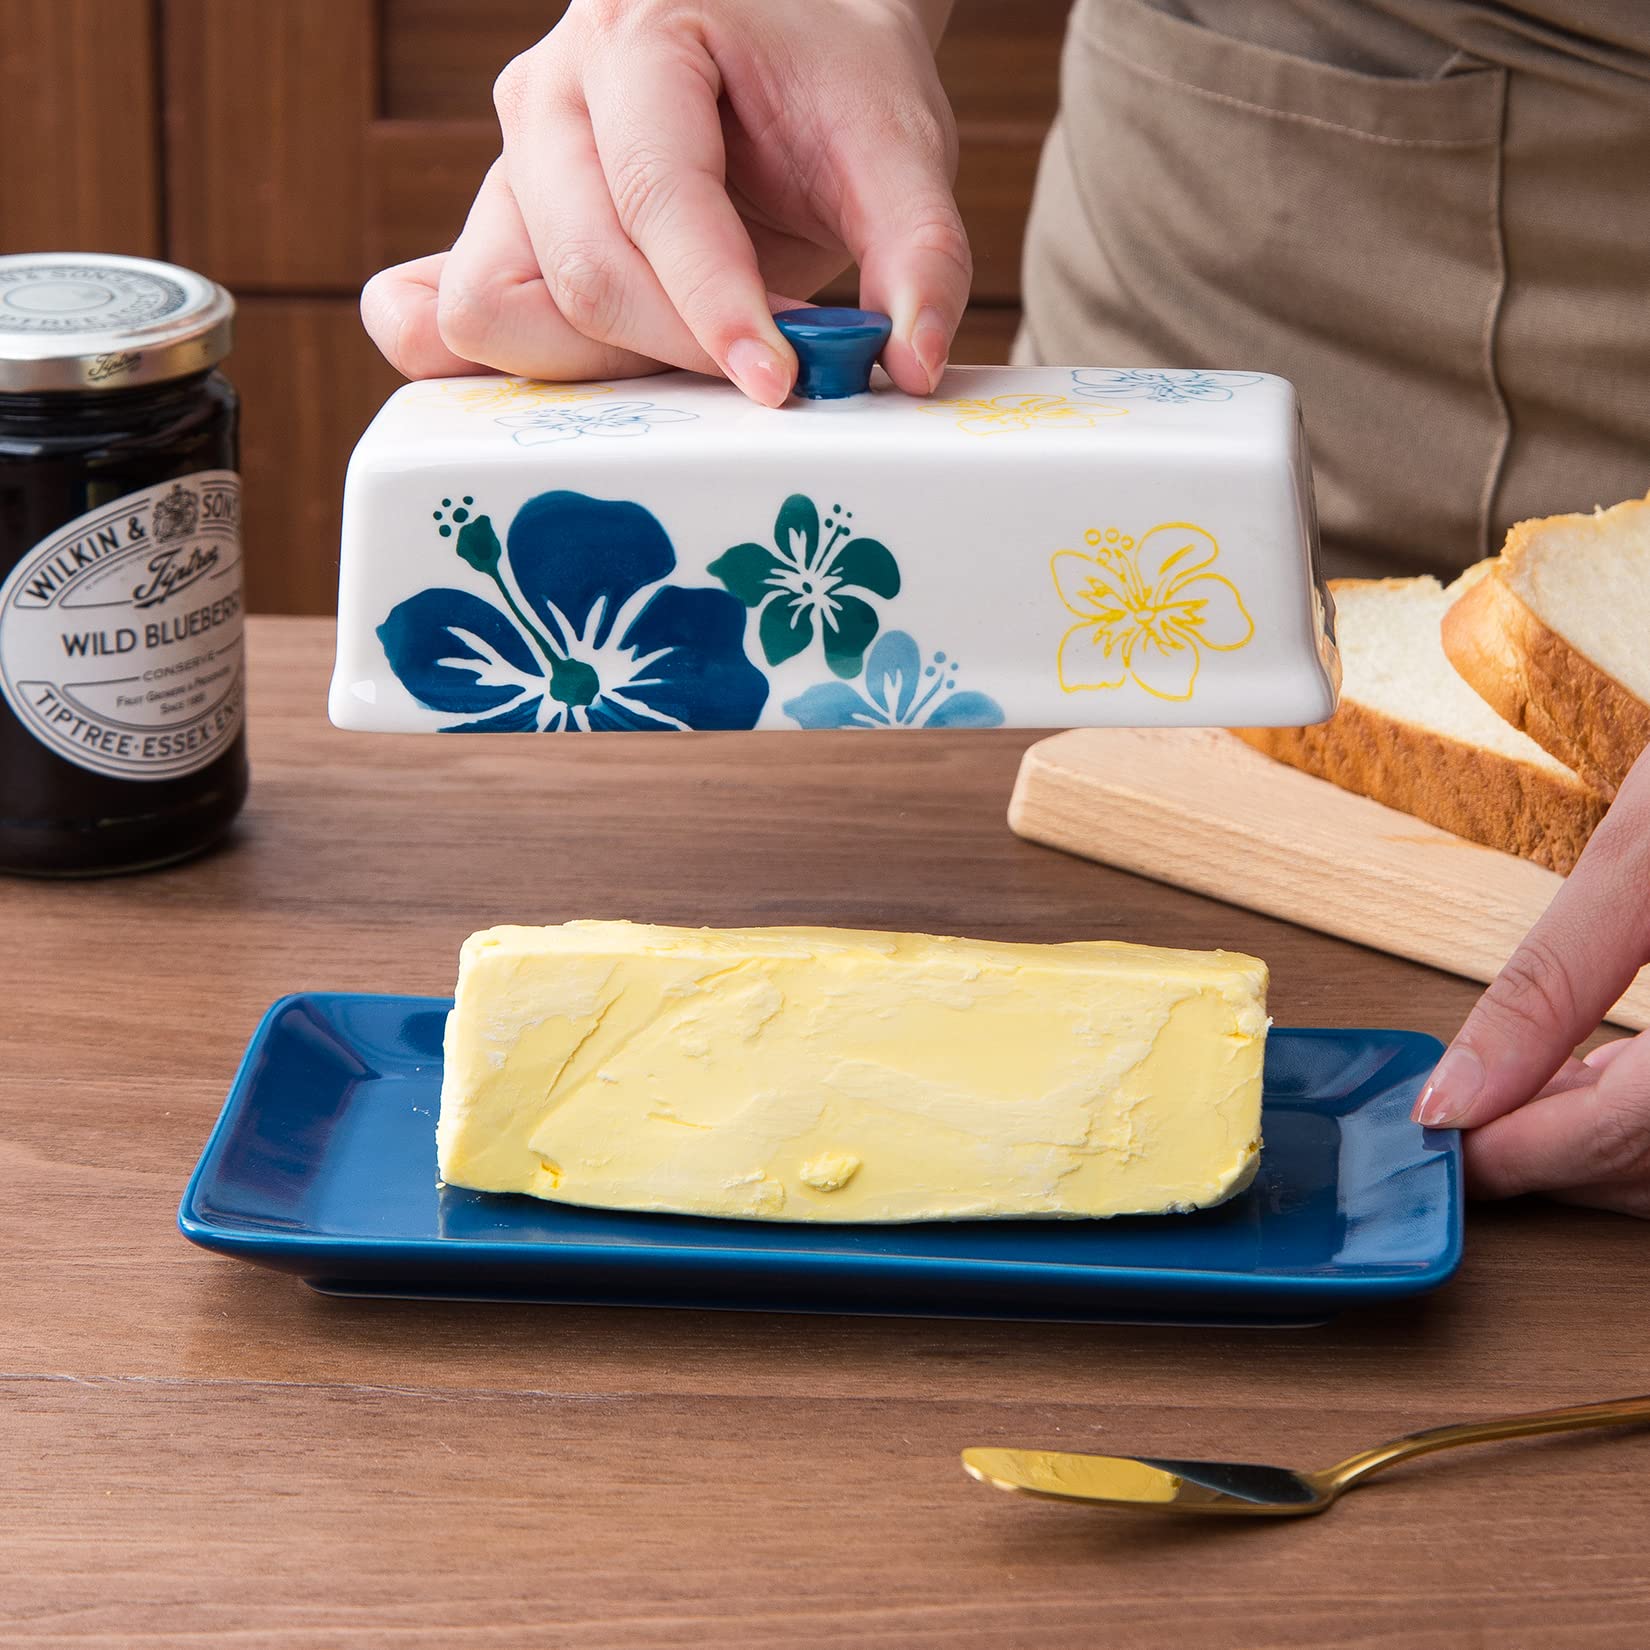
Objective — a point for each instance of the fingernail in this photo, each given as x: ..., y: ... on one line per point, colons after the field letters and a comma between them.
x: 930, y: 342
x: 1451, y: 1089
x: 758, y: 371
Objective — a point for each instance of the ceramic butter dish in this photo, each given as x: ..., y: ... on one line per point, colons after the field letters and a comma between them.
x: 1029, y: 547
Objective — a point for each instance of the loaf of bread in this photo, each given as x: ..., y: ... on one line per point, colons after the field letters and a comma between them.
x: 1556, y: 637
x: 1411, y: 733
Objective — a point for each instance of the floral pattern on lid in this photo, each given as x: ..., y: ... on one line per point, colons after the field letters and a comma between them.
x: 1146, y: 611
x: 888, y: 698
x: 817, y: 578
x: 1161, y: 384
x: 554, y: 423
x: 1001, y: 414
x: 508, y: 394
x: 586, y: 634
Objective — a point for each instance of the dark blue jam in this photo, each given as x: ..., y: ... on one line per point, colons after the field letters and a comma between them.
x: 122, y: 743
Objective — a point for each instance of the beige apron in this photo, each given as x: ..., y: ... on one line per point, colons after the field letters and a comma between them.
x: 1432, y: 215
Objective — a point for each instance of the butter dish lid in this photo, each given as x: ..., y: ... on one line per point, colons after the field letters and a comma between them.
x: 1026, y: 547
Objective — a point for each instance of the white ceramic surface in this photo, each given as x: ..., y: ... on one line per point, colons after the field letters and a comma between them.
x: 1035, y: 547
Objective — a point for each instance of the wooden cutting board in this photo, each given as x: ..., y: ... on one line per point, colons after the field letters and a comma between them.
x: 1199, y: 809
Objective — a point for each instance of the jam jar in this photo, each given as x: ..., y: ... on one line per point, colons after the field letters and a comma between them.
x: 122, y: 669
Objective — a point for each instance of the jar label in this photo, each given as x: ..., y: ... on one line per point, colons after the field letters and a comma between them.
x: 120, y: 635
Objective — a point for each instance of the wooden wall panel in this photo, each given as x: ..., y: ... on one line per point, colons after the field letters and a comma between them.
x: 440, y: 59
x: 79, y: 127
x: 1000, y: 62
x: 421, y: 176
x: 310, y: 382
x: 999, y: 59
x: 994, y: 184
x: 986, y: 335
x: 268, y: 104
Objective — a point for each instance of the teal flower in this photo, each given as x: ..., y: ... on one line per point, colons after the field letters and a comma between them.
x: 806, y: 584
x: 893, y: 674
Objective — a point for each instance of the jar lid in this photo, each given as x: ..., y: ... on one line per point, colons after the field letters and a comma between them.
x: 96, y: 321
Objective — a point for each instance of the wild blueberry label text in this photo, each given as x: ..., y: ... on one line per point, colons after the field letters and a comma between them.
x: 120, y: 635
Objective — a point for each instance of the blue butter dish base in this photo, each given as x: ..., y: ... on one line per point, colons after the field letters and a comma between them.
x: 322, y: 1164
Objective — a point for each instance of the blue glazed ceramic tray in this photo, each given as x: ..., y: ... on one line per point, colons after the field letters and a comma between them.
x: 323, y: 1164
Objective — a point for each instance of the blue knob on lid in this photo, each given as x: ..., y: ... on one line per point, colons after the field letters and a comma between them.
x: 835, y: 349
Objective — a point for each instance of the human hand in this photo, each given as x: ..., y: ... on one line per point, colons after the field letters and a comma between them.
x: 671, y: 170
x: 1535, y: 1118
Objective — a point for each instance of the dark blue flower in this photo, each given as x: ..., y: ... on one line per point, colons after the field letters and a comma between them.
x: 894, y: 672
x: 586, y: 634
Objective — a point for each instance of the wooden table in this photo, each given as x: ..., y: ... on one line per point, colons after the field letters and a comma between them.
x: 197, y: 1452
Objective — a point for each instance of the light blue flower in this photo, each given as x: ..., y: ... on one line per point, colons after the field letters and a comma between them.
x: 586, y: 634
x: 543, y: 424
x: 1165, y: 384
x: 894, y: 671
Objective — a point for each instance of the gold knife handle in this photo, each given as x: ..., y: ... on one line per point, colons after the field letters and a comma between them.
x: 1616, y: 1412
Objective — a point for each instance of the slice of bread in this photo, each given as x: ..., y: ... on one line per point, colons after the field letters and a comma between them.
x: 1557, y: 637
x: 1412, y: 734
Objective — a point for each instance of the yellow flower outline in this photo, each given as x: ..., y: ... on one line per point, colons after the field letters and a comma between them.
x: 1146, y: 610
x: 1000, y: 413
x: 513, y: 394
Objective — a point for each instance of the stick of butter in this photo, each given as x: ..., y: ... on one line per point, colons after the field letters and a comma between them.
x: 816, y: 1074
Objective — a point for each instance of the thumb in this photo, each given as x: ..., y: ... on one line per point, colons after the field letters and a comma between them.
x: 917, y: 271
x: 1590, y: 1143
x: 900, y: 221
x: 1560, y: 982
